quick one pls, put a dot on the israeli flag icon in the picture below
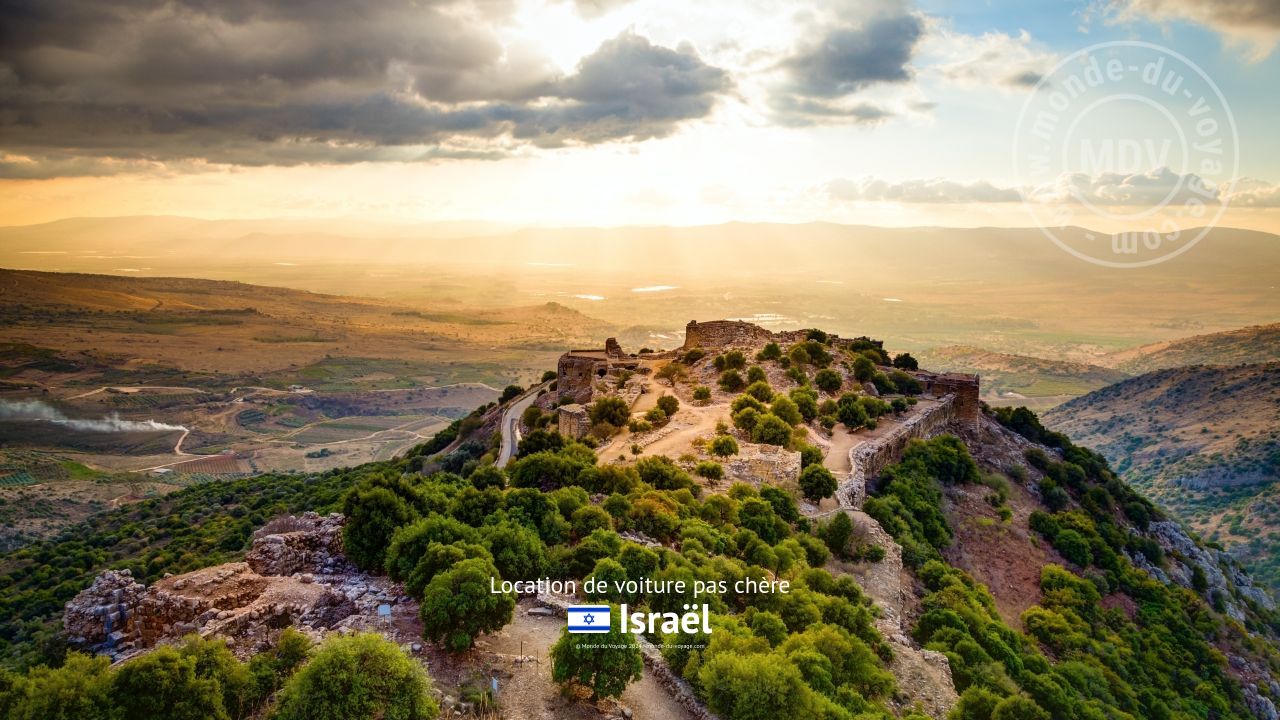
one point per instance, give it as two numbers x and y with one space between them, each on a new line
588 618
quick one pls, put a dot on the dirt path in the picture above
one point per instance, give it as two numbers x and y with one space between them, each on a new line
526 690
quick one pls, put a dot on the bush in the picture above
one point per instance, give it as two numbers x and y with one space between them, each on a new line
836 534
702 393
603 662
358 676
457 605
755 374
611 410
771 430
439 557
709 470
373 515
770 351
817 482
863 368
905 362
828 381
1074 547
731 381
785 408
669 404
655 416
724 446
662 473
760 391
510 392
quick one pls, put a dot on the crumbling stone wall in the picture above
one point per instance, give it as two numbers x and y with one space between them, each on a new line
760 465
716 334
572 421
869 458
963 386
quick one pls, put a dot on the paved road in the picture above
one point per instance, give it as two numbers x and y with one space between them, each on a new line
510 419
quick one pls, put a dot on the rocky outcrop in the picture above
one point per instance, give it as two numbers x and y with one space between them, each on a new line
310 543
1186 556
101 612
293 575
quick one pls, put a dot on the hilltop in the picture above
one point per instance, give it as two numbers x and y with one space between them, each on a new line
1201 440
1254 344
1020 379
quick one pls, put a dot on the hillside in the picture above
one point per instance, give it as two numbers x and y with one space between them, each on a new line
1020 379
1250 345
1201 440
939 560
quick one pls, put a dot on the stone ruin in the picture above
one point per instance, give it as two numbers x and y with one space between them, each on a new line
578 371
293 575
573 421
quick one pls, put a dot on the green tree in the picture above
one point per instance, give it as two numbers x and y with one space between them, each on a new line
760 390
373 515
731 381
1019 707
863 368
589 518
358 676
904 361
1074 547
457 605
771 430
518 552
79 690
785 408
611 410
510 392
724 446
817 482
604 662
836 534
709 470
489 476
755 686
828 381
439 557
163 684
669 404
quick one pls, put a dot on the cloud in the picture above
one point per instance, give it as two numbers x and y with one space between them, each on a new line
1149 189
993 59
1255 23
933 190
91 87
820 77
1252 193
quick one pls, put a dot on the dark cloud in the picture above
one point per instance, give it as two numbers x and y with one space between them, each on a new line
844 61
1229 14
103 86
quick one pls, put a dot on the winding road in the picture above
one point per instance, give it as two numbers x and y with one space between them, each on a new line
511 420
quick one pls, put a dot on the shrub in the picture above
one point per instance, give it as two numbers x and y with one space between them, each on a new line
710 470
1074 547
755 374
510 392
828 381
655 416
760 391
771 430
439 557
785 408
770 351
611 410
702 393
724 446
817 482
904 361
603 662
662 473
731 381
669 404
457 605
373 515
358 676
863 368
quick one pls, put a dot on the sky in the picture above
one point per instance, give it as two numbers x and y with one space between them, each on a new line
625 112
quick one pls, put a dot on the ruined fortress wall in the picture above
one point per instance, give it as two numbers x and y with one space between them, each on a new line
576 375
724 334
869 458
